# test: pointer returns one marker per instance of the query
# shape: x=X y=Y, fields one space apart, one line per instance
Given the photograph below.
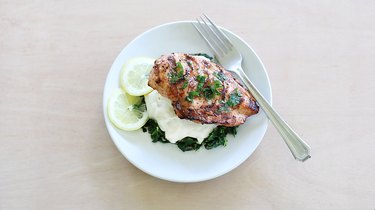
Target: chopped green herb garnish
x=179 y=67
x=185 y=85
x=177 y=74
x=234 y=98
x=191 y=95
x=208 y=93
x=201 y=79
x=216 y=85
x=213 y=90
x=220 y=75
x=223 y=108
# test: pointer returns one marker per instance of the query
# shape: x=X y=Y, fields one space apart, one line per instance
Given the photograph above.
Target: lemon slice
x=124 y=111
x=134 y=76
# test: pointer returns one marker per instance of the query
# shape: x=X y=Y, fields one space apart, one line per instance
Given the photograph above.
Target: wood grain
x=55 y=151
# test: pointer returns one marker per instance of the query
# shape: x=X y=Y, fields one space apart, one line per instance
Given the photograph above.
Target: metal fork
x=231 y=59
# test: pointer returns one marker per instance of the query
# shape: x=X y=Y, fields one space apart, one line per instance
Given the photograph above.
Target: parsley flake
x=177 y=74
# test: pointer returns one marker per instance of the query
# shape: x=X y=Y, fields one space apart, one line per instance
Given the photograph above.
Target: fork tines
x=213 y=36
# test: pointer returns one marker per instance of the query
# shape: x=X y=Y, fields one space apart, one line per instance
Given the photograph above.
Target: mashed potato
x=160 y=109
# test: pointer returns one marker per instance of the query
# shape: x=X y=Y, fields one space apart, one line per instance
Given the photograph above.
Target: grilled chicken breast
x=201 y=91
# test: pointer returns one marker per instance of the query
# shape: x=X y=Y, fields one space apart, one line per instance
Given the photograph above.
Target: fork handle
x=299 y=148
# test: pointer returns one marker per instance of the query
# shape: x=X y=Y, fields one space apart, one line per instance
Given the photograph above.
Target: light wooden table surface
x=55 y=152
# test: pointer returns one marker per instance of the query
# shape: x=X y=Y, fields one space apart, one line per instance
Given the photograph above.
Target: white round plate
x=167 y=161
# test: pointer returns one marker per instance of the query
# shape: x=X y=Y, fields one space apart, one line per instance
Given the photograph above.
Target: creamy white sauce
x=160 y=109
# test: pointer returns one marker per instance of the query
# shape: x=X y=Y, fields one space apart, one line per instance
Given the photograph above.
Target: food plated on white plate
x=185 y=99
x=167 y=161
